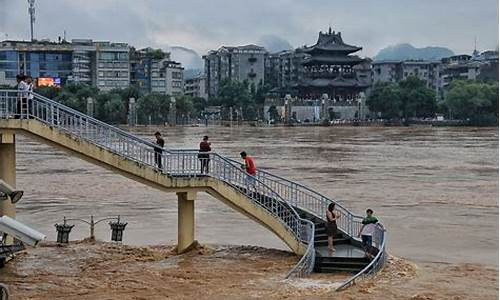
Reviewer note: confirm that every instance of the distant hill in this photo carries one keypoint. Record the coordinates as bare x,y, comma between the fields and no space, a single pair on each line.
407,51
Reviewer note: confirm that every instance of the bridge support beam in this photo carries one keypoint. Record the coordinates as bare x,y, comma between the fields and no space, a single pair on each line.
8,173
185,221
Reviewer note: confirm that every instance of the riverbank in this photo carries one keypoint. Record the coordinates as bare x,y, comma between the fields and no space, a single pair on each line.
99,270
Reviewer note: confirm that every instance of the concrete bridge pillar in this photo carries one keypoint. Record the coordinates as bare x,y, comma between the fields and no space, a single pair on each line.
8,173
185,221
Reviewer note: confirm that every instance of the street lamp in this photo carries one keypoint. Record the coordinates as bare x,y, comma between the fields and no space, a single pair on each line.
64,229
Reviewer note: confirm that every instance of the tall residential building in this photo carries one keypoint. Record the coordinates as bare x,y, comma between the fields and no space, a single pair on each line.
147,70
196,87
113,65
84,61
174,78
284,70
242,63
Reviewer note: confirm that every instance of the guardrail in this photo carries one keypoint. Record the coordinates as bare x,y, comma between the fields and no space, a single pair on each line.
377,262
286,194
14,104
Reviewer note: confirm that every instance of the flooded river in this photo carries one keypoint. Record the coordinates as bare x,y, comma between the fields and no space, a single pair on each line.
435,189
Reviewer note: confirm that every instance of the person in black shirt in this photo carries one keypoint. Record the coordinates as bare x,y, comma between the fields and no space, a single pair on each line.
204,157
159,150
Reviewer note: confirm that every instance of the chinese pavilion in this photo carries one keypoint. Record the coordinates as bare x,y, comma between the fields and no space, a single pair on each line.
330,68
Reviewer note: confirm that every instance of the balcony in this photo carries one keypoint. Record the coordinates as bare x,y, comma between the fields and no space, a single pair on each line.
252,75
252,59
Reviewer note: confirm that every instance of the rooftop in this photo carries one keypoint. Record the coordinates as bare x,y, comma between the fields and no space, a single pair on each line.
330,41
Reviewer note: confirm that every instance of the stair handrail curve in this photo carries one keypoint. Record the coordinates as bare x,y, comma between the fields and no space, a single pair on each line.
350,223
145,152
375,265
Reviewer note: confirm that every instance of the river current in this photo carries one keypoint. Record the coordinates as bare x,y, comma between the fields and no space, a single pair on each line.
435,189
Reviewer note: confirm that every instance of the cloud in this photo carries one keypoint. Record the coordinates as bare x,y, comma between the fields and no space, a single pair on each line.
202,25
274,43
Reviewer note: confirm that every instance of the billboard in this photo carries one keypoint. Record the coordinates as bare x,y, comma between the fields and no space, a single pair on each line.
49,81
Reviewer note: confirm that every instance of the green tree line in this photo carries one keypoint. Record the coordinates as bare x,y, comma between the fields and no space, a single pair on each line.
472,101
112,106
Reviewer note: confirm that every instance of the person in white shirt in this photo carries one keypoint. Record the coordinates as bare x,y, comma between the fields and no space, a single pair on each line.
22,89
367,231
29,84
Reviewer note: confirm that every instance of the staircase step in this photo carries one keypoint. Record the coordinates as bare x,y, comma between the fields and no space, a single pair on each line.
324,243
320,269
345,264
340,259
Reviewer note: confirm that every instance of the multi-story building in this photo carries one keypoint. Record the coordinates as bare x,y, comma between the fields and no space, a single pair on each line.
396,71
196,87
174,78
284,70
42,59
113,65
147,71
242,63
84,61
102,64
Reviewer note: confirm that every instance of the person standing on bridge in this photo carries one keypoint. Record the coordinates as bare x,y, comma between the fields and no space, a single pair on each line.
250,169
159,150
368,230
22,89
331,225
203,156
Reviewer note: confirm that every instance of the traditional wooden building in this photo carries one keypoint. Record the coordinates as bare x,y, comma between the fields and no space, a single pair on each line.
331,68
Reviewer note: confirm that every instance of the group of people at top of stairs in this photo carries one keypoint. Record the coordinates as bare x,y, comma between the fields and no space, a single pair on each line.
366,232
204,157
25,96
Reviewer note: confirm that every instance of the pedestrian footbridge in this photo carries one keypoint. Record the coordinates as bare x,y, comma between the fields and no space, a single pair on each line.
290,210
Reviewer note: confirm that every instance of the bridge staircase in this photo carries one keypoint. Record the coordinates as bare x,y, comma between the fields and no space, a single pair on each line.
290,210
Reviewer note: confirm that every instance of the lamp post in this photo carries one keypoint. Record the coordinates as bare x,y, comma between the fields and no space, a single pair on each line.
64,229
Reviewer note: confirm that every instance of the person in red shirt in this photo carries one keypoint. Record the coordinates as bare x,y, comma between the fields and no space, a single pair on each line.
250,168
203,156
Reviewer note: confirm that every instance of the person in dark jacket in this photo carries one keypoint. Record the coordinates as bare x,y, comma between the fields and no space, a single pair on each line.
203,155
159,150
331,225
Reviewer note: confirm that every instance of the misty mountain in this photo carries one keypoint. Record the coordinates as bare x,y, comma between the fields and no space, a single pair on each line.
274,43
407,51
189,58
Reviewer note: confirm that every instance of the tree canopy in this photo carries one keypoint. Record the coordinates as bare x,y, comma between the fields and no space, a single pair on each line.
408,98
475,101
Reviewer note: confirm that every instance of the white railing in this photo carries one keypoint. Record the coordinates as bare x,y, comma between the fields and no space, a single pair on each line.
174,163
277,195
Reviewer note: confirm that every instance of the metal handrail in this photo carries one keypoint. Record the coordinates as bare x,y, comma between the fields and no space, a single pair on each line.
286,193
174,162
377,262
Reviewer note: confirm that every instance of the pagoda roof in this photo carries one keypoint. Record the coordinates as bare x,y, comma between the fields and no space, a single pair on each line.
331,42
323,59
337,82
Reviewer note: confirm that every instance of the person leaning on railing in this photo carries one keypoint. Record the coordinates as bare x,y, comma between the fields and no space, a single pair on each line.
368,230
159,150
250,169
203,156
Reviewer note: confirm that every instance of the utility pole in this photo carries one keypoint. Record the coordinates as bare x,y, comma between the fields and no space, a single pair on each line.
31,11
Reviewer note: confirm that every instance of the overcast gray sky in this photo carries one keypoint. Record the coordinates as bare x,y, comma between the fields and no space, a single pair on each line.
208,24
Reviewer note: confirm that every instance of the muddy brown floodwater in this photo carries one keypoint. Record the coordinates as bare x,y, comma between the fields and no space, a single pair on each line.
435,190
